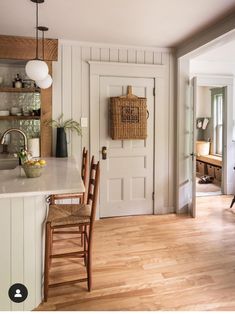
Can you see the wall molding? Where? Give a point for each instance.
(106, 45)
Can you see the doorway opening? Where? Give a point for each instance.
(209, 140)
(213, 63)
(212, 130)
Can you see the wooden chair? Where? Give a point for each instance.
(62, 216)
(84, 175)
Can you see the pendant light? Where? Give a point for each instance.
(37, 69)
(47, 81)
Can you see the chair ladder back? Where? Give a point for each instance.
(90, 186)
(84, 170)
(93, 186)
(95, 192)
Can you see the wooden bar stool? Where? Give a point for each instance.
(62, 216)
(84, 174)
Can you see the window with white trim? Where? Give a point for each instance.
(218, 123)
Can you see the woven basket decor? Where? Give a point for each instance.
(128, 117)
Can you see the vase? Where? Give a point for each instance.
(34, 147)
(61, 143)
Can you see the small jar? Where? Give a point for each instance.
(18, 84)
(18, 81)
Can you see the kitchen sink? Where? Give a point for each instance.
(8, 161)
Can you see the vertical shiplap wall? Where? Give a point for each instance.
(22, 241)
(71, 92)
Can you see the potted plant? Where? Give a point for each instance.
(61, 128)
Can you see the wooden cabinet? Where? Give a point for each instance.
(207, 165)
(201, 167)
(218, 173)
(210, 170)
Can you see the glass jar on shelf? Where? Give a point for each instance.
(17, 83)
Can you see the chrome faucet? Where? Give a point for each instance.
(14, 130)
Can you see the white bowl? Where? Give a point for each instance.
(15, 110)
(4, 113)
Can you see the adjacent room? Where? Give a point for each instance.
(117, 155)
(214, 118)
(209, 139)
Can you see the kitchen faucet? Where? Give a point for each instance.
(14, 130)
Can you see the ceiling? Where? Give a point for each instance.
(159, 23)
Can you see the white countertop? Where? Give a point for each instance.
(61, 175)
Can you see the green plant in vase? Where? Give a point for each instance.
(62, 126)
(23, 155)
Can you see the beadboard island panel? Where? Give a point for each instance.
(23, 210)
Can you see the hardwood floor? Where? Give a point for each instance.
(156, 263)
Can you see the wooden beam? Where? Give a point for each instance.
(46, 114)
(24, 48)
(212, 32)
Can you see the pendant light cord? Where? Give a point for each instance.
(37, 31)
(43, 45)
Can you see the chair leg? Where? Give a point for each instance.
(89, 274)
(85, 244)
(233, 201)
(89, 261)
(47, 260)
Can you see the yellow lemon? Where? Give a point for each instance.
(42, 162)
(37, 164)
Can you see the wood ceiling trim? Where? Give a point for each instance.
(24, 48)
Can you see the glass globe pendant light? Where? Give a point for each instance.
(47, 81)
(36, 69)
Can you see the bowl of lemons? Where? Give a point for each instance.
(34, 168)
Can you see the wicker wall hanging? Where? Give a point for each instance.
(128, 117)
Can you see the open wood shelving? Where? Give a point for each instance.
(19, 90)
(23, 49)
(12, 118)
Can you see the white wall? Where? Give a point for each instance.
(212, 67)
(71, 94)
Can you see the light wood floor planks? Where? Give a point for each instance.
(155, 263)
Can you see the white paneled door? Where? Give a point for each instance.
(126, 186)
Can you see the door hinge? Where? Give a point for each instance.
(153, 196)
(154, 91)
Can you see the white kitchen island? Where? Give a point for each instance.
(23, 210)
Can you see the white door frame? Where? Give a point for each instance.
(182, 177)
(228, 146)
(160, 75)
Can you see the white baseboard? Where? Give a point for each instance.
(164, 210)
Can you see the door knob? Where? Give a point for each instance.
(104, 152)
